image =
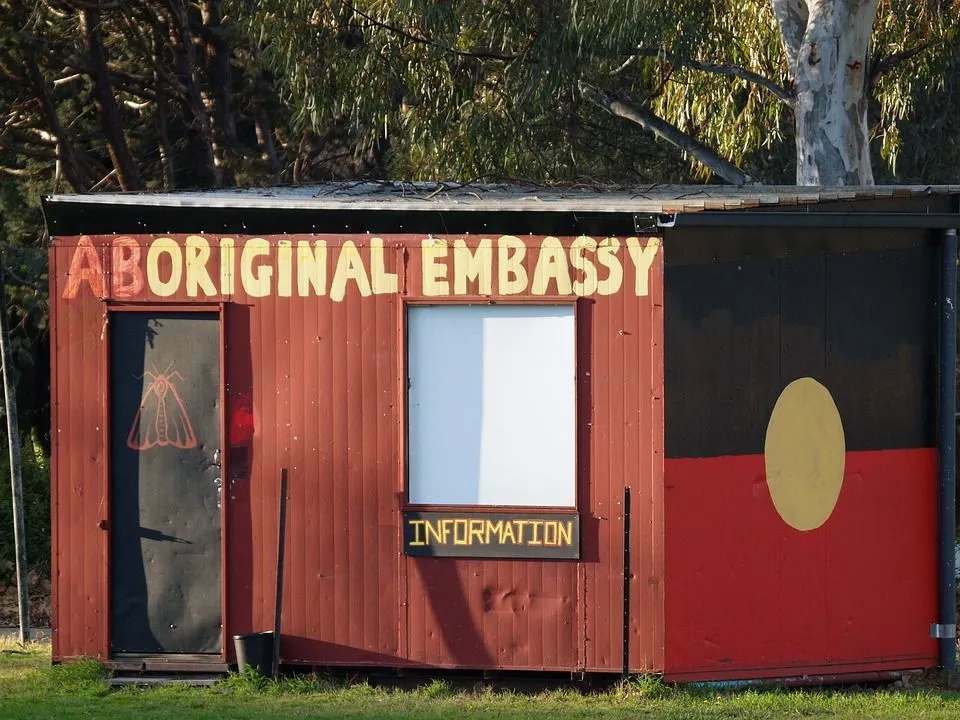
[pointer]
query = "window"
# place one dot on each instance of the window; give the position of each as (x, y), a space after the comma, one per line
(491, 405)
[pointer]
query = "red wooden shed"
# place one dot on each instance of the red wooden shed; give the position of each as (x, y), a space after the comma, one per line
(698, 431)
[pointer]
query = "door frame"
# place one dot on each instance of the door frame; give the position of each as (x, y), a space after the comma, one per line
(219, 309)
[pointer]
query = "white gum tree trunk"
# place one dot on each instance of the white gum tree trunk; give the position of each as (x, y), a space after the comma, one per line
(826, 43)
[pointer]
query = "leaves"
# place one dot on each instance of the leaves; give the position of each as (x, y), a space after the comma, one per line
(474, 90)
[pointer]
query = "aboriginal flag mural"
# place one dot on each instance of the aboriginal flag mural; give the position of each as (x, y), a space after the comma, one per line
(800, 473)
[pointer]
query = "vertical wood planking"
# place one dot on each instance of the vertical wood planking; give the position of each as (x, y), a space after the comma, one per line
(324, 381)
(54, 295)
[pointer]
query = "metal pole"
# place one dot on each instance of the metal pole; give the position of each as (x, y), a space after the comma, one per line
(946, 629)
(281, 546)
(16, 481)
(627, 575)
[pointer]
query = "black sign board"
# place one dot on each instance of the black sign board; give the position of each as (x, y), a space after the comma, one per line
(492, 535)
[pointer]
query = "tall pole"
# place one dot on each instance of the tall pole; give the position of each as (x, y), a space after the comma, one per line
(281, 549)
(946, 629)
(16, 481)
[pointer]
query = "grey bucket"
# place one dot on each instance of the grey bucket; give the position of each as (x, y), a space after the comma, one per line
(256, 651)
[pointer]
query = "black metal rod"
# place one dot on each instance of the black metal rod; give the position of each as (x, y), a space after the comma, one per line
(281, 547)
(626, 582)
(948, 438)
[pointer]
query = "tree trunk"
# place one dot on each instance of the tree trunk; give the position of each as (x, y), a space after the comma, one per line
(199, 123)
(160, 115)
(69, 158)
(826, 43)
(128, 174)
(219, 70)
(262, 93)
(724, 169)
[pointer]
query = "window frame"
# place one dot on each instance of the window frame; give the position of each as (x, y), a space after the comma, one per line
(403, 398)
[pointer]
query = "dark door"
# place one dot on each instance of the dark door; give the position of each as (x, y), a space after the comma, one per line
(165, 483)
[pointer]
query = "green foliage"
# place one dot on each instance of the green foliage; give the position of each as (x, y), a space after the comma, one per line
(36, 500)
(646, 686)
(903, 27)
(472, 90)
(247, 681)
(436, 688)
(476, 90)
(737, 118)
(79, 678)
(24, 257)
(29, 690)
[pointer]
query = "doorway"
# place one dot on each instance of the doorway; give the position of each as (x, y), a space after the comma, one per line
(165, 483)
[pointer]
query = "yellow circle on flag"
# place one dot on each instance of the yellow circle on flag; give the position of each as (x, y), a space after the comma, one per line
(804, 454)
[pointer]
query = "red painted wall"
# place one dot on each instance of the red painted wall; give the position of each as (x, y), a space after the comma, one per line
(720, 586)
(749, 596)
(316, 386)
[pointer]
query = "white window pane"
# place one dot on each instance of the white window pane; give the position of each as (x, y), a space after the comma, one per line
(491, 405)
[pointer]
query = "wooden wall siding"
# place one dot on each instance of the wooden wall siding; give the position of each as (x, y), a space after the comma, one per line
(322, 382)
(79, 562)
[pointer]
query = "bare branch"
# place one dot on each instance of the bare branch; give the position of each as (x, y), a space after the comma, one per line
(728, 69)
(96, 5)
(67, 79)
(97, 185)
(477, 54)
(19, 172)
(71, 159)
(881, 65)
(664, 130)
(25, 151)
(18, 279)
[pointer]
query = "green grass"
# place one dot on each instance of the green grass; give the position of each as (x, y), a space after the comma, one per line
(30, 689)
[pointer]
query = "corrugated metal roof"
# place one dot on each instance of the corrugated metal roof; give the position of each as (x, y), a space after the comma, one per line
(430, 196)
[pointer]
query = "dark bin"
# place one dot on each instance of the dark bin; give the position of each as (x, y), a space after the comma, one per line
(255, 651)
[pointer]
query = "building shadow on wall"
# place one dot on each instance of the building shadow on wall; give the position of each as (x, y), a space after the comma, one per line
(238, 376)
(589, 524)
(131, 338)
(448, 608)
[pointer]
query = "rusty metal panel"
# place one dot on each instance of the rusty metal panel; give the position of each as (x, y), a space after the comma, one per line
(314, 384)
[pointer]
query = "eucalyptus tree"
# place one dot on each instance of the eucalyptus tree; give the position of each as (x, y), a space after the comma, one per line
(475, 88)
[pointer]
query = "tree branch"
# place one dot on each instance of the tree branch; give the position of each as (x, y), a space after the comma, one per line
(728, 69)
(19, 172)
(664, 130)
(477, 54)
(96, 5)
(71, 159)
(128, 173)
(31, 152)
(881, 65)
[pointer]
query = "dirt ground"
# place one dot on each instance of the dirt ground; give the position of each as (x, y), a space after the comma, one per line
(39, 601)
